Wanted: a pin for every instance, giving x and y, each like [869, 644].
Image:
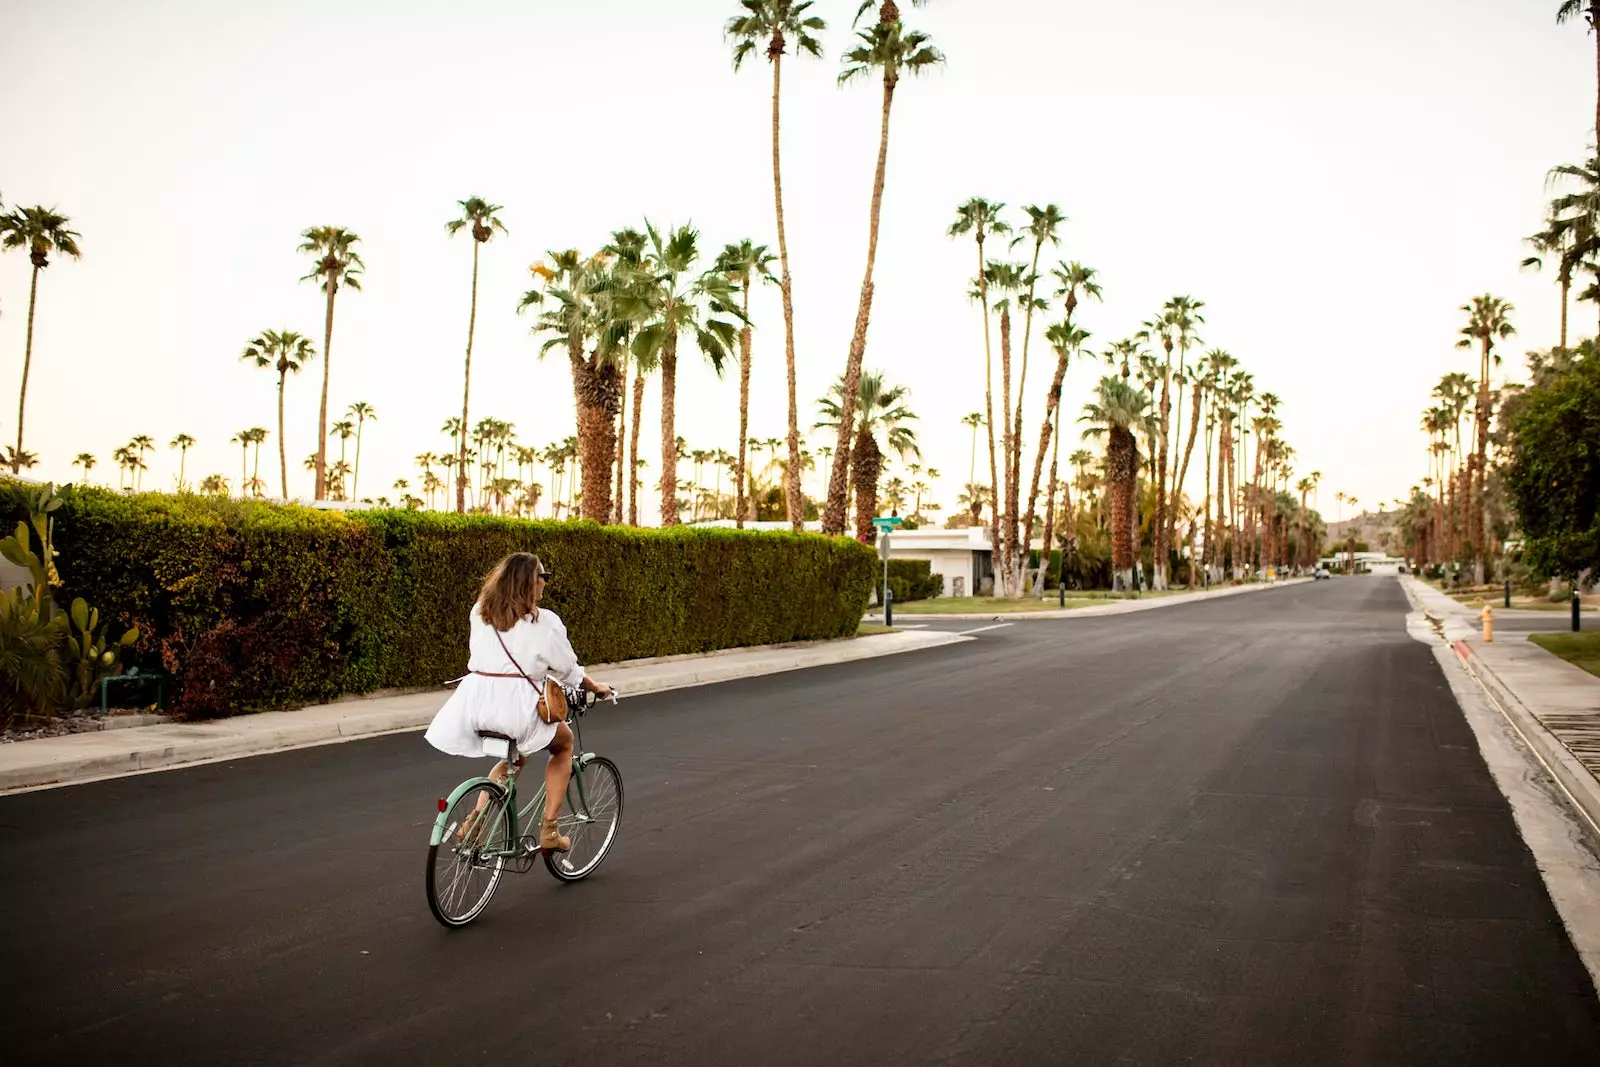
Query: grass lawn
[1496, 599]
[1580, 649]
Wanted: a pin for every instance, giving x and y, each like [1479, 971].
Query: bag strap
[514, 662]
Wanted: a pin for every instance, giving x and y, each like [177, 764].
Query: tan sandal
[550, 837]
[468, 834]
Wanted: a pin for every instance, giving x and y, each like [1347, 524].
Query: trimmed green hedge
[910, 579]
[250, 605]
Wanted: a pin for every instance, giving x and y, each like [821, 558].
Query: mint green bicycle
[477, 835]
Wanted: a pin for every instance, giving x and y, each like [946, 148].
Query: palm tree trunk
[283, 453]
[866, 463]
[1566, 284]
[793, 501]
[744, 424]
[1014, 458]
[838, 484]
[244, 460]
[1158, 576]
[1205, 530]
[27, 364]
[669, 437]
[596, 422]
[355, 475]
[1052, 406]
[1183, 468]
[1050, 511]
[633, 451]
[1122, 475]
[466, 390]
[620, 502]
[1475, 497]
[1008, 532]
[322, 415]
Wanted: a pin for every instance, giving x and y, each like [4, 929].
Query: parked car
[1321, 573]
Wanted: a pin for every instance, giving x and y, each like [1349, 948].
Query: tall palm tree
[85, 460]
[1558, 241]
[141, 444]
[1119, 413]
[243, 439]
[743, 263]
[973, 421]
[1066, 340]
[1590, 11]
[672, 299]
[43, 233]
[1011, 281]
[625, 252]
[879, 410]
[889, 48]
[183, 442]
[981, 218]
[284, 352]
[337, 264]
[363, 413]
[1043, 226]
[478, 218]
[1575, 217]
[257, 437]
[1488, 321]
[1198, 380]
[1077, 282]
[214, 485]
[771, 25]
[587, 299]
[344, 429]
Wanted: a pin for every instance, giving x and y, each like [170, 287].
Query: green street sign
[887, 522]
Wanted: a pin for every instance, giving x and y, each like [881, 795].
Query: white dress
[506, 705]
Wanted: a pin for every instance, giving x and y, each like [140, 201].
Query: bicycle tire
[452, 899]
[592, 837]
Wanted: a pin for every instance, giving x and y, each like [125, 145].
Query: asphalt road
[1255, 830]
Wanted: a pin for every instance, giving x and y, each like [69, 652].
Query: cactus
[74, 643]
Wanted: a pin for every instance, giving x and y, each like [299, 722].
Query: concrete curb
[1563, 766]
[1110, 607]
[77, 758]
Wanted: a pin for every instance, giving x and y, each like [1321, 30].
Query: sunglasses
[546, 575]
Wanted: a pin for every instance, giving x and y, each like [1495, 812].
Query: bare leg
[557, 772]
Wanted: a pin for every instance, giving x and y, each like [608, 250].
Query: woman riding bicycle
[515, 646]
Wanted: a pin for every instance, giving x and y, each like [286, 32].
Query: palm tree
[1120, 413]
[285, 352]
[972, 422]
[183, 442]
[140, 444]
[363, 413]
[243, 439]
[42, 232]
[478, 215]
[880, 409]
[344, 429]
[890, 48]
[1066, 340]
[1488, 320]
[1590, 10]
[742, 264]
[671, 299]
[332, 249]
[589, 302]
[1009, 279]
[258, 437]
[973, 497]
[214, 485]
[85, 460]
[1042, 226]
[981, 218]
[772, 24]
[1558, 241]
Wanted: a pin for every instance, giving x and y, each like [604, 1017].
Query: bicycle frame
[578, 803]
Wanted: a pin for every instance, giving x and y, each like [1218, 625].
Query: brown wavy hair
[510, 593]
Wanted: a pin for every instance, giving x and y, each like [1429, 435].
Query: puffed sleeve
[563, 660]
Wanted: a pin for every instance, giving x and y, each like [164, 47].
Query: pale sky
[1332, 182]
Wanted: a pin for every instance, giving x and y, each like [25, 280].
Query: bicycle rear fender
[449, 802]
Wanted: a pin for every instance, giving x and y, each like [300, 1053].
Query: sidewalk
[1110, 607]
[1552, 704]
[110, 753]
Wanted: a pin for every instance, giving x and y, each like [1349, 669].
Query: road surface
[1254, 830]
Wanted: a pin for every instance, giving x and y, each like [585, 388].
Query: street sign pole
[885, 524]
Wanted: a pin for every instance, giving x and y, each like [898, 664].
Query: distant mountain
[1379, 529]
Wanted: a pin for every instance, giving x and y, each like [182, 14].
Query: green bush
[909, 579]
[250, 605]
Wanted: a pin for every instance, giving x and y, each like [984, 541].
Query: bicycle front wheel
[465, 866]
[590, 817]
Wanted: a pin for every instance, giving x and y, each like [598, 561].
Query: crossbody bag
[551, 695]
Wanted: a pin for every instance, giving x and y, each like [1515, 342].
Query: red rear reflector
[441, 804]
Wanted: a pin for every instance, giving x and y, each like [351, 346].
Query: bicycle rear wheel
[465, 866]
[591, 823]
